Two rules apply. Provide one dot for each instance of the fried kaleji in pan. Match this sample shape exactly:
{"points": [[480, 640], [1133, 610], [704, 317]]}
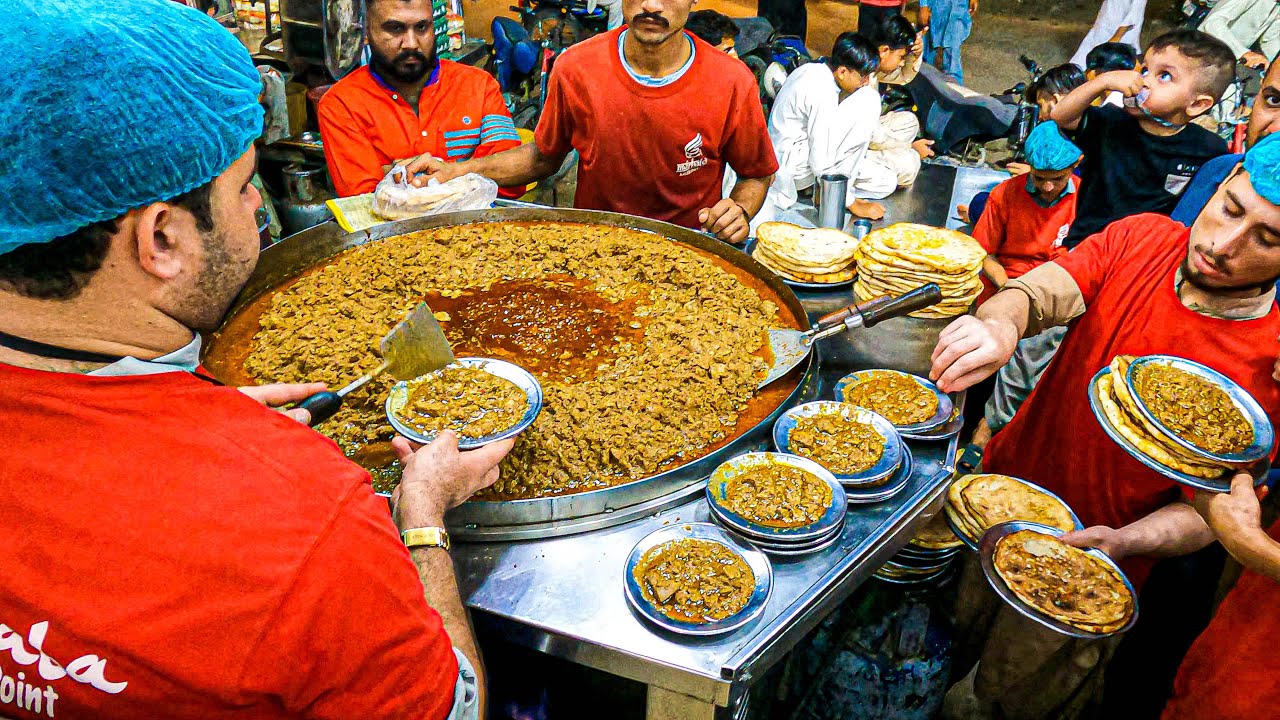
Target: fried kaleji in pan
{"points": [[695, 581]]}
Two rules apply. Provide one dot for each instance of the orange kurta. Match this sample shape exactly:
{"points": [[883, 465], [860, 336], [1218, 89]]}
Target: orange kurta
{"points": [[366, 124]]}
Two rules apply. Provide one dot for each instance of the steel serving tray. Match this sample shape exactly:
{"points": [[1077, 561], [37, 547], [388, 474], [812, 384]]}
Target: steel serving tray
{"points": [[718, 485], [942, 415], [986, 553], [1263, 433], [972, 544], [890, 455], [507, 371], [759, 564], [561, 514], [1219, 484]]}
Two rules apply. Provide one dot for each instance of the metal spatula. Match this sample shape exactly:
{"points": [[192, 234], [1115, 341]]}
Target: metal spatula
{"points": [[789, 347], [414, 347]]}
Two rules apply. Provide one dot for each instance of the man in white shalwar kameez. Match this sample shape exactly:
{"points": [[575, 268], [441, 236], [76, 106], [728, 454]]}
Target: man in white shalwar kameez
{"points": [[1118, 21], [822, 122]]}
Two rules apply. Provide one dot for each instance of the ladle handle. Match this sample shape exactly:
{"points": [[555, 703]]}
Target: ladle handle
{"points": [[322, 406], [884, 307], [888, 306]]}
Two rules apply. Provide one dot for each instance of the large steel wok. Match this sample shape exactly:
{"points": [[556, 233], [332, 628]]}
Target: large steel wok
{"points": [[565, 514]]}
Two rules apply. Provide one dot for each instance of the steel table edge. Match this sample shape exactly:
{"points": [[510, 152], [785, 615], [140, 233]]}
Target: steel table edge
{"points": [[567, 646], [793, 623]]}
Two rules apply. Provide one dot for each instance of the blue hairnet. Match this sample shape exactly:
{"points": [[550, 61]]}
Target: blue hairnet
{"points": [[1262, 162], [1047, 149], [110, 105]]}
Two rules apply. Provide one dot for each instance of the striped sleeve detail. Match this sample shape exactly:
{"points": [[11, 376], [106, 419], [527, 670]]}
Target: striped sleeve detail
{"points": [[494, 128]]}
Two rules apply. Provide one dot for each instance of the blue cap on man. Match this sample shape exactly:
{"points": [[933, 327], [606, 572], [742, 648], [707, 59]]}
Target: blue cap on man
{"points": [[107, 106], [1262, 162], [1047, 149]]}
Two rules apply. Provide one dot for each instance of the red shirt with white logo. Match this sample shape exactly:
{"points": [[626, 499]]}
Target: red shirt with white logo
{"points": [[172, 549], [657, 152], [1126, 275]]}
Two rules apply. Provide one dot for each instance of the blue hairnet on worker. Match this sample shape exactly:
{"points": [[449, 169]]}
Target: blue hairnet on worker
{"points": [[187, 549], [1262, 162], [109, 106], [1047, 149]]}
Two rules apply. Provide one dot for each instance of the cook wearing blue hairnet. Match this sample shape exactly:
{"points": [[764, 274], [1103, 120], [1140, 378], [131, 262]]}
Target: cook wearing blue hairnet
{"points": [[185, 551], [1053, 160]]}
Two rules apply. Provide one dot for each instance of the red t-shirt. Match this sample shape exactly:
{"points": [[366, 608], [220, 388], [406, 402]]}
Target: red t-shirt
{"points": [[183, 552], [1230, 671], [367, 124], [1126, 274], [1020, 232], [657, 152]]}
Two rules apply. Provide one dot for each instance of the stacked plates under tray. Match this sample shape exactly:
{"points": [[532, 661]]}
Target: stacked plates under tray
{"points": [[914, 565]]}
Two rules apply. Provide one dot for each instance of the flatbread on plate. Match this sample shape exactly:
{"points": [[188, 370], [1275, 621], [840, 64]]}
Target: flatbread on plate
{"points": [[1063, 582]]}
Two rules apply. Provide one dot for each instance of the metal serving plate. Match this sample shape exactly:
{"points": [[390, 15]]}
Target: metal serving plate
{"points": [[1220, 484], [1263, 434], [972, 544], [945, 406], [718, 485], [890, 455], [792, 553], [987, 551], [897, 483], [579, 512], [756, 560], [507, 371]]}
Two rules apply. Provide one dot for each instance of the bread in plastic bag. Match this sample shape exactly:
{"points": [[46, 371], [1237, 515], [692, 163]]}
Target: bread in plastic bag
{"points": [[396, 199]]}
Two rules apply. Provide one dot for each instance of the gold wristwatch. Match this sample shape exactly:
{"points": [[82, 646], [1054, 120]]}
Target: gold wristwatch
{"points": [[426, 537]]}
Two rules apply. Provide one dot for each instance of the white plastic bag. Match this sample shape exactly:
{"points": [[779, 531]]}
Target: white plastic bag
{"points": [[396, 199]]}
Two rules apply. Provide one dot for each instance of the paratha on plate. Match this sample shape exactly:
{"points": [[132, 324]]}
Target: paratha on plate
{"points": [[1063, 582], [984, 500], [1131, 431], [936, 535]]}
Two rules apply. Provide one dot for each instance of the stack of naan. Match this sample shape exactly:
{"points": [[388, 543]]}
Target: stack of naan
{"points": [[809, 255], [978, 502], [1063, 582], [1206, 414], [902, 257]]}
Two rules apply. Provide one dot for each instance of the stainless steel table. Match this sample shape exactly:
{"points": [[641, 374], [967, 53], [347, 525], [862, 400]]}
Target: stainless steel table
{"points": [[564, 596]]}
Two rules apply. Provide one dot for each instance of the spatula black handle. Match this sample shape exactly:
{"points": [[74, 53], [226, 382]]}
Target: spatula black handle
{"points": [[322, 406], [888, 306]]}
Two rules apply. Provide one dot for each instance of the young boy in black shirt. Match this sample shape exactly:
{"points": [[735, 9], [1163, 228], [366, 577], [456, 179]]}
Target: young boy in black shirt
{"points": [[1140, 157]]}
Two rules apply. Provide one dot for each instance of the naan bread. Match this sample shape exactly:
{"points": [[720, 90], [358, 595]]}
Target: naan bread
{"points": [[993, 499], [1063, 582], [806, 250], [797, 276], [946, 251], [902, 257]]}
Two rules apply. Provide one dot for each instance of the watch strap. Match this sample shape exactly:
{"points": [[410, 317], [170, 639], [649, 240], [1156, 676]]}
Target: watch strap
{"points": [[426, 537]]}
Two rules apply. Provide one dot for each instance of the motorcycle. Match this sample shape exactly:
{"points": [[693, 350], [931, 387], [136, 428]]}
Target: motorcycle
{"points": [[524, 51]]}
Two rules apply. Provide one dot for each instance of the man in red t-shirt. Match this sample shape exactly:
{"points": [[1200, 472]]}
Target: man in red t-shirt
{"points": [[1145, 285], [175, 548], [655, 115], [407, 102]]}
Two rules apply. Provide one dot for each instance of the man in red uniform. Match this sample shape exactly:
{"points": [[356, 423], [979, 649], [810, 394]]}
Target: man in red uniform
{"points": [[1145, 285], [1027, 218], [407, 102], [656, 115], [175, 548]]}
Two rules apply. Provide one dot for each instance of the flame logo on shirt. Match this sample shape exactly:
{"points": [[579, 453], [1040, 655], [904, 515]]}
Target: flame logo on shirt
{"points": [[695, 158]]}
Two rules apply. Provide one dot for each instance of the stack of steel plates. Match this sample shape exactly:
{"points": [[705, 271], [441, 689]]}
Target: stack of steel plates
{"points": [[927, 558], [778, 538], [887, 477]]}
